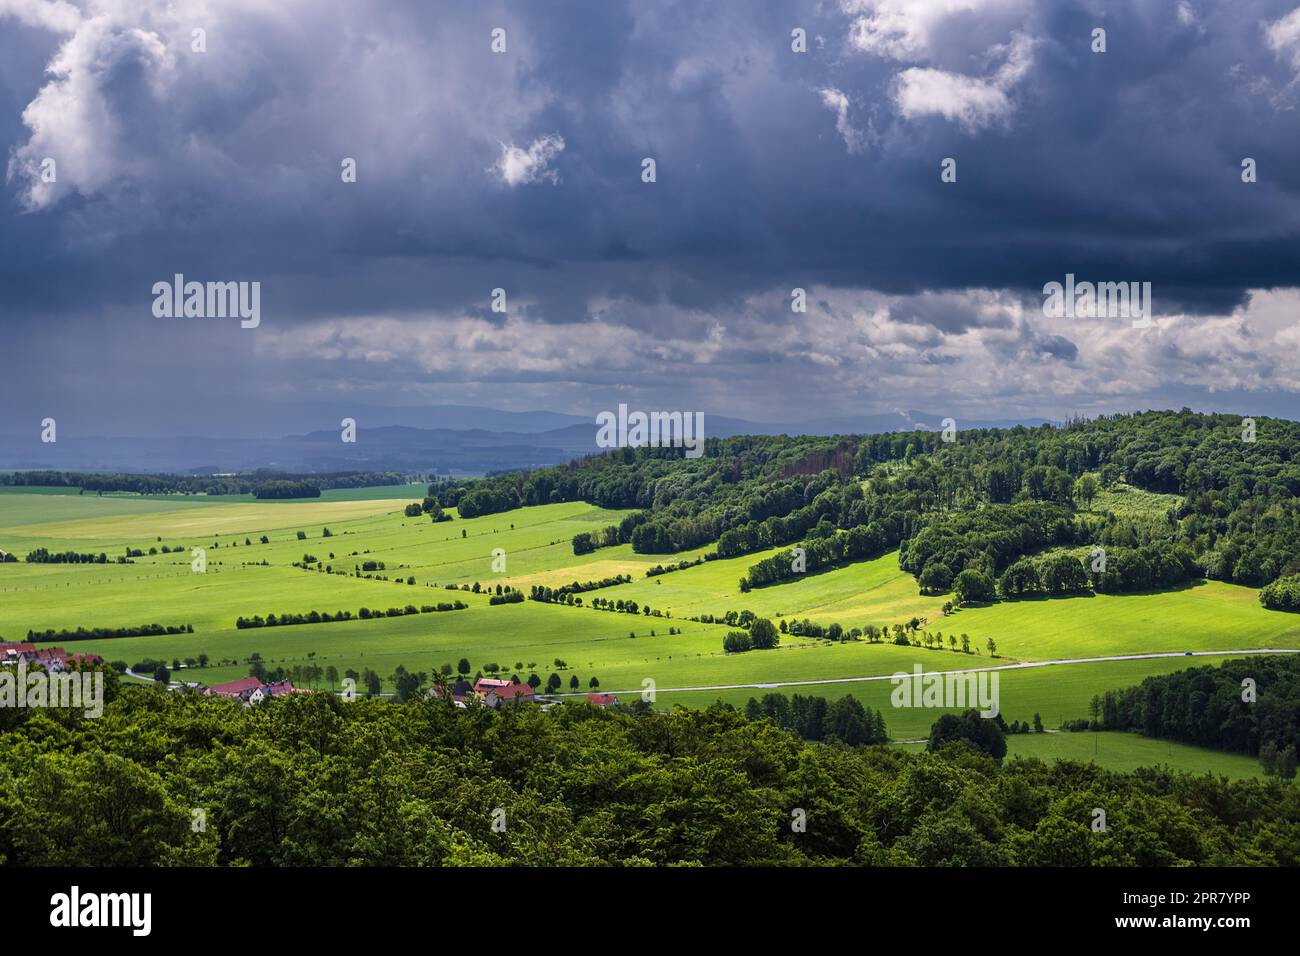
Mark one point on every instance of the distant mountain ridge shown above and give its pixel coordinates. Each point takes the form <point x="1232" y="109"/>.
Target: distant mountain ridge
<point x="453" y="439"/>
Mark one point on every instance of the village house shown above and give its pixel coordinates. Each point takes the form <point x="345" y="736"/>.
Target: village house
<point x="486" y="691"/>
<point x="53" y="659"/>
<point x="496" y="696"/>
<point x="250" y="690"/>
<point x="267" y="691"/>
<point x="602" y="700"/>
<point x="494" y="692"/>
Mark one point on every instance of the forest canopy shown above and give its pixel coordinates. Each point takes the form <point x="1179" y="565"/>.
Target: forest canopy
<point x="980" y="503"/>
<point x="312" y="780"/>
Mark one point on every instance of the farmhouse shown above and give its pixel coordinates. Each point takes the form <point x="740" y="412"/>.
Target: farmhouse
<point x="486" y="691"/>
<point x="602" y="700"/>
<point x="235" y="688"/>
<point x="53" y="659"/>
<point x="497" y="696"/>
<point x="250" y="690"/>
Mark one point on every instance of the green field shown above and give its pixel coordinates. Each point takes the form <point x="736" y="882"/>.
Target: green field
<point x="868" y="592"/>
<point x="1124" y="752"/>
<point x="245" y="577"/>
<point x="1056" y="692"/>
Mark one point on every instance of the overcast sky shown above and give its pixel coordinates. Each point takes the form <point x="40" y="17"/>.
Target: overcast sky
<point x="522" y="170"/>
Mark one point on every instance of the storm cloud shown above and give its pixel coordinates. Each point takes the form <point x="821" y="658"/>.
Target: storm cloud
<point x="211" y="139"/>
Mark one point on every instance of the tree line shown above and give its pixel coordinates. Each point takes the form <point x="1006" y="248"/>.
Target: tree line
<point x="1249" y="706"/>
<point x="45" y="556"/>
<point x="325" y="617"/>
<point x="816" y="718"/>
<point x="170" y="484"/>
<point x="97" y="633"/>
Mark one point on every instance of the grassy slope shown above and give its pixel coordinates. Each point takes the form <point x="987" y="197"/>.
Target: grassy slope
<point x="867" y="592"/>
<point x="1205" y="617"/>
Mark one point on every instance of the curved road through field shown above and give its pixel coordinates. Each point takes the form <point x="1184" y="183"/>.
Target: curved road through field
<point x="959" y="670"/>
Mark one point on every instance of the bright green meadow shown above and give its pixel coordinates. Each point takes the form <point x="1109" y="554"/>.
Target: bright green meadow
<point x="244" y="577"/>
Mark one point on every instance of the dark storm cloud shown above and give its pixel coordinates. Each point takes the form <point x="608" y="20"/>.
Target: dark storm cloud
<point x="775" y="170"/>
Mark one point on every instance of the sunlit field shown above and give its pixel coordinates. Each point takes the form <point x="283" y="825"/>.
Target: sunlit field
<point x="624" y="652"/>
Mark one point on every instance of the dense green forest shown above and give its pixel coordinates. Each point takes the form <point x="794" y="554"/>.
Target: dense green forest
<point x="980" y="503"/>
<point x="1249" y="706"/>
<point x="313" y="780"/>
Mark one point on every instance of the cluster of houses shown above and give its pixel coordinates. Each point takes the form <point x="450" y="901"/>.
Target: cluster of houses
<point x="484" y="692"/>
<point x="492" y="692"/>
<point x="52" y="659"/>
<point x="251" y="690"/>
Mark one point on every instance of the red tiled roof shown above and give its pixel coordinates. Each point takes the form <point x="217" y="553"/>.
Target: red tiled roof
<point x="485" y="684"/>
<point x="602" y="700"/>
<point x="511" y="691"/>
<point x="45" y="655"/>
<point x="235" y="687"/>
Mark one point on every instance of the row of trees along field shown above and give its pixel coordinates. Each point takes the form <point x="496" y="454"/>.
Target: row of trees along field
<point x="1249" y="706"/>
<point x="261" y="484"/>
<point x="980" y="503"/>
<point x="311" y="780"/>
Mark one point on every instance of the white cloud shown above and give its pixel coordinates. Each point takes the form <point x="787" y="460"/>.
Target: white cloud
<point x="905" y="29"/>
<point x="1283" y="37"/>
<point x="140" y="123"/>
<point x="72" y="119"/>
<point x="56" y="15"/>
<point x="977" y="348"/>
<point x="517" y="167"/>
<point x="974" y="102"/>
<point x="838" y="103"/>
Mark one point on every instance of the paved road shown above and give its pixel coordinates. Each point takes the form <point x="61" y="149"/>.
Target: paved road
<point x="958" y="670"/>
<point x="876" y="677"/>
